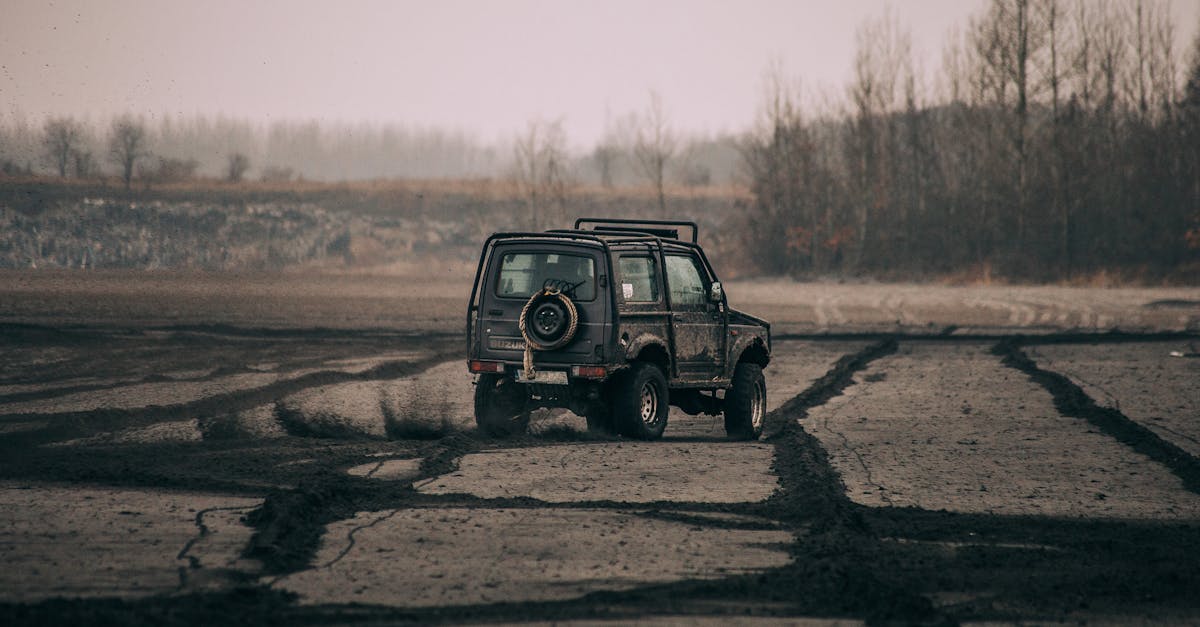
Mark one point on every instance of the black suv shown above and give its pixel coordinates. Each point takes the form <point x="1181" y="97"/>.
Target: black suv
<point x="615" y="322"/>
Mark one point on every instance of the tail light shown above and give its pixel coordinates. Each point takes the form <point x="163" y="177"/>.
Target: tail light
<point x="477" y="366"/>
<point x="589" y="372"/>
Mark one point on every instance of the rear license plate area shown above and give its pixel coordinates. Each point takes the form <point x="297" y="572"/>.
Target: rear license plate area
<point x="544" y="377"/>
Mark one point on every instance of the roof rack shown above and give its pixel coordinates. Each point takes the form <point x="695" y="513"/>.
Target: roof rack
<point x="648" y="227"/>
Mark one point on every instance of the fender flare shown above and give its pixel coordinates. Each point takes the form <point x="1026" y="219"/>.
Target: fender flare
<point x="644" y="341"/>
<point x="752" y="348"/>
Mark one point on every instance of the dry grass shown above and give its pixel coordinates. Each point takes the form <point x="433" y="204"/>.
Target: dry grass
<point x="480" y="187"/>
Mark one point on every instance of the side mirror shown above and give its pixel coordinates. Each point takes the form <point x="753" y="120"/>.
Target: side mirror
<point x="715" y="293"/>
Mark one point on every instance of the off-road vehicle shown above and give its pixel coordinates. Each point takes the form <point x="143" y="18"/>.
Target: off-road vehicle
<point x="616" y="322"/>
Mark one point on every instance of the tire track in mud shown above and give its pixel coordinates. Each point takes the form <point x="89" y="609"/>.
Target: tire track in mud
<point x="222" y="350"/>
<point x="845" y="560"/>
<point x="351" y="540"/>
<point x="1036" y="357"/>
<point x="1072" y="401"/>
<point x="61" y="426"/>
<point x="290" y="523"/>
<point x="203" y="532"/>
<point x="832" y="553"/>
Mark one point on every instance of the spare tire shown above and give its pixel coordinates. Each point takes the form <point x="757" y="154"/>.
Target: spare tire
<point x="549" y="320"/>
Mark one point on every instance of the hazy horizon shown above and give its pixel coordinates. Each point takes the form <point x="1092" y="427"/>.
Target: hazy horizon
<point x="483" y="69"/>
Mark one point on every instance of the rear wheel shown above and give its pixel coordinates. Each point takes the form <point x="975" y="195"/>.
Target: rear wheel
<point x="641" y="402"/>
<point x="746" y="402"/>
<point x="500" y="406"/>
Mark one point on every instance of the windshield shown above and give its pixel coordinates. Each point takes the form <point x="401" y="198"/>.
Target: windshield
<point x="522" y="274"/>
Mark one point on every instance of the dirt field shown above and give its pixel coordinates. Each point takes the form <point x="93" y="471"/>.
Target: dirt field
<point x="183" y="449"/>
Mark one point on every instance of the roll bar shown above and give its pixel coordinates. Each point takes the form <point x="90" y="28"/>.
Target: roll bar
<point x="624" y="225"/>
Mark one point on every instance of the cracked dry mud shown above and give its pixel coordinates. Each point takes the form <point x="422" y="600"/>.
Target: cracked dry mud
<point x="98" y="542"/>
<point x="177" y="474"/>
<point x="624" y="472"/>
<point x="457" y="556"/>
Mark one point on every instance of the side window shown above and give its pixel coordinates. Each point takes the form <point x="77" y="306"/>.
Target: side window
<point x="639" y="281"/>
<point x="684" y="279"/>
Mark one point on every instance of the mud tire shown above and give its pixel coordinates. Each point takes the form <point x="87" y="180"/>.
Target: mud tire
<point x="746" y="403"/>
<point x="500" y="406"/>
<point x="641" y="402"/>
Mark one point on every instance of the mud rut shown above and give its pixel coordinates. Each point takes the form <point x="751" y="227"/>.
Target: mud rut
<point x="847" y="560"/>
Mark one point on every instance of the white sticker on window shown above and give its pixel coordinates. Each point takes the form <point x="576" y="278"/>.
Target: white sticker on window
<point x="627" y="290"/>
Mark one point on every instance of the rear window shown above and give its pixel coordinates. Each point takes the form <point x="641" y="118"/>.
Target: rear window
<point x="522" y="274"/>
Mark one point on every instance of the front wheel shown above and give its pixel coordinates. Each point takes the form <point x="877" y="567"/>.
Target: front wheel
<point x="746" y="402"/>
<point x="641" y="402"/>
<point x="500" y="406"/>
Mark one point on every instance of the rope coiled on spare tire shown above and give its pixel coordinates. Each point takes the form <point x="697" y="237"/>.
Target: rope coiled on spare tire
<point x="531" y="343"/>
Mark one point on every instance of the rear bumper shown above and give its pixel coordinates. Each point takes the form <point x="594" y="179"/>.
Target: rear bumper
<point x="515" y="369"/>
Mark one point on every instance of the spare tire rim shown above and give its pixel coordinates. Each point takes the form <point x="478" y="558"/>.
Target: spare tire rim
<point x="649" y="403"/>
<point x="758" y="405"/>
<point x="549" y="320"/>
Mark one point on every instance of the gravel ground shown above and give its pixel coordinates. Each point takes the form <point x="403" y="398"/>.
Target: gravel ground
<point x="206" y="444"/>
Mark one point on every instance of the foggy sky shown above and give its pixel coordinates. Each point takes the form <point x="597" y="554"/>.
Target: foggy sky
<point x="478" y="66"/>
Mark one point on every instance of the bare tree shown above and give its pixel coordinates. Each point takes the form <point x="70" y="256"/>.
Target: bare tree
<point x="127" y="145"/>
<point x="605" y="156"/>
<point x="83" y="163"/>
<point x="1111" y="50"/>
<point x="655" y="144"/>
<point x="882" y="63"/>
<point x="1027" y="42"/>
<point x="1189" y="119"/>
<point x="172" y="170"/>
<point x="236" y="166"/>
<point x="608" y="151"/>
<point x="954" y="71"/>
<point x="542" y="177"/>
<point x="1153" y="84"/>
<point x="62" y="138"/>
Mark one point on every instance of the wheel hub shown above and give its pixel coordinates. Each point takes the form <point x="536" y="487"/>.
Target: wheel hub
<point x="549" y="321"/>
<point x="649" y="403"/>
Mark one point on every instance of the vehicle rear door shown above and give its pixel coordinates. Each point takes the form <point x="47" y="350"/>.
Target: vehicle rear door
<point x="519" y="270"/>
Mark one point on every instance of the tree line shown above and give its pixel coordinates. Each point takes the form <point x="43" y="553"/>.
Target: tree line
<point x="150" y="151"/>
<point x="172" y="149"/>
<point x="1058" y="140"/>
